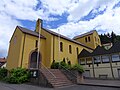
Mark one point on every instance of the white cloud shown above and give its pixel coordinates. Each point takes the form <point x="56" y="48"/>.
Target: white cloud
<point x="7" y="26"/>
<point x="108" y="22"/>
<point x="84" y="7"/>
<point x="57" y="7"/>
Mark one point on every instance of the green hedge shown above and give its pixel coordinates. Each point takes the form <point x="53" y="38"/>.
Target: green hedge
<point x="3" y="73"/>
<point x="78" y="67"/>
<point x="18" y="75"/>
<point x="64" y="65"/>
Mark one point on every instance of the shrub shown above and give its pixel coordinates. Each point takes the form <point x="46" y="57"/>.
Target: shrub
<point x="64" y="65"/>
<point x="55" y="65"/>
<point x="78" y="67"/>
<point x="3" y="73"/>
<point x="18" y="75"/>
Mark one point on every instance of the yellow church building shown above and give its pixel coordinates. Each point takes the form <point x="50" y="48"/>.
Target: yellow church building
<point x="32" y="49"/>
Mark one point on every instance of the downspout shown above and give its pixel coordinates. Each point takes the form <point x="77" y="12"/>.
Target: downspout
<point x="23" y="49"/>
<point x="53" y="47"/>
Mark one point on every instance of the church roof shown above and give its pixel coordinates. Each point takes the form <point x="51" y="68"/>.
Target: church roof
<point x="64" y="37"/>
<point x="27" y="31"/>
<point x="88" y="33"/>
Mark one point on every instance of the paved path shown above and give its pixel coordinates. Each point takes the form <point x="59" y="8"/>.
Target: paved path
<point x="97" y="82"/>
<point x="85" y="87"/>
<point x="4" y="86"/>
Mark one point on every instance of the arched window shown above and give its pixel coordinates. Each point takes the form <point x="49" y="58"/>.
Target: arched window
<point x="61" y="46"/>
<point x="36" y="43"/>
<point x="89" y="39"/>
<point x="85" y="39"/>
<point x="77" y="50"/>
<point x="70" y="49"/>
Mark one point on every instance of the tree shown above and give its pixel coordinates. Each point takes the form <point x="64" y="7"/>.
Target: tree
<point x="113" y="37"/>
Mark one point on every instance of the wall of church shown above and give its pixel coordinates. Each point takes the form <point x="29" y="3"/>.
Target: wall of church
<point x="30" y="47"/>
<point x="15" y="50"/>
<point x="48" y="48"/>
<point x="59" y="55"/>
<point x="91" y="40"/>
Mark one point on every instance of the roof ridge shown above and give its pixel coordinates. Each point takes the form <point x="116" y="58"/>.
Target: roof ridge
<point x="62" y="36"/>
<point x="29" y="31"/>
<point x="84" y="34"/>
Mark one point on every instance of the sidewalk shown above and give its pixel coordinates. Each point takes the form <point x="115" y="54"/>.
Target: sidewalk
<point x="97" y="82"/>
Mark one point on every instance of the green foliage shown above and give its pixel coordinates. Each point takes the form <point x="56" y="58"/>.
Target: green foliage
<point x="3" y="73"/>
<point x="109" y="38"/>
<point x="64" y="65"/>
<point x="78" y="67"/>
<point x="55" y="65"/>
<point x="18" y="75"/>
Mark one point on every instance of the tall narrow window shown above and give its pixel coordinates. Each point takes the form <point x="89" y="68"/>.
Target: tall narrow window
<point x="36" y="43"/>
<point x="61" y="46"/>
<point x="95" y="39"/>
<point x="89" y="39"/>
<point x="77" y="50"/>
<point x="70" y="49"/>
<point x="86" y="39"/>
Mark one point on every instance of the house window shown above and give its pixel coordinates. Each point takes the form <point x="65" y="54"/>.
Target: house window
<point x="89" y="39"/>
<point x="15" y="40"/>
<point x="115" y="58"/>
<point x="36" y="43"/>
<point x="89" y="60"/>
<point x="82" y="61"/>
<point x="61" y="46"/>
<point x="70" y="49"/>
<point x="105" y="58"/>
<point x="86" y="39"/>
<point x="97" y="59"/>
<point x="95" y="39"/>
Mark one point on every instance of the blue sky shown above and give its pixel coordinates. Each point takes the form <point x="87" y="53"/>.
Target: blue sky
<point x="71" y="17"/>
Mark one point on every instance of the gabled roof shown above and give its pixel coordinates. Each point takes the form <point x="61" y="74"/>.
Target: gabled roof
<point x="82" y="35"/>
<point x="84" y="53"/>
<point x="64" y="37"/>
<point x="115" y="48"/>
<point x="2" y="60"/>
<point x="30" y="32"/>
<point x="99" y="51"/>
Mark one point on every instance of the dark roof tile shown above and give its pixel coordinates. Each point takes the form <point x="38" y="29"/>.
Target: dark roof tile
<point x="115" y="48"/>
<point x="84" y="53"/>
<point x="61" y="36"/>
<point x="99" y="51"/>
<point x="27" y="31"/>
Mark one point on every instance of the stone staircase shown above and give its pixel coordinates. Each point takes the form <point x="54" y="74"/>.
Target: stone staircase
<point x="56" y="78"/>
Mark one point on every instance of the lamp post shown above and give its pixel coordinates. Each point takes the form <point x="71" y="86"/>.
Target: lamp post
<point x="38" y="55"/>
<point x="59" y="46"/>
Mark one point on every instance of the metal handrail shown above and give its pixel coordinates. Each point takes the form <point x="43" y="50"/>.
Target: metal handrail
<point x="68" y="71"/>
<point x="48" y="70"/>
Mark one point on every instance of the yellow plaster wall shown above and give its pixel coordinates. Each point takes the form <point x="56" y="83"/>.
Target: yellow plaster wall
<point x="58" y="55"/>
<point x="48" y="48"/>
<point x="15" y="50"/>
<point x="29" y="47"/>
<point x="93" y="43"/>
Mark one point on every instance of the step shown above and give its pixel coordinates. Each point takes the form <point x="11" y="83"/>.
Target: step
<point x="60" y="80"/>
